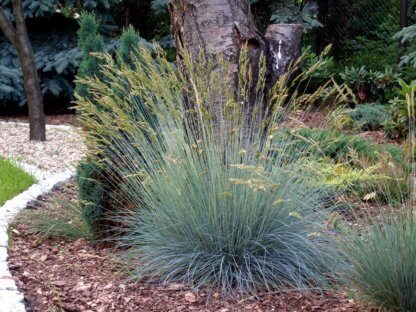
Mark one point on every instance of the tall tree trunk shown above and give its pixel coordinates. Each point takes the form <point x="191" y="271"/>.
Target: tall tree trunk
<point x="225" y="27"/>
<point x="404" y="7"/>
<point x="19" y="38"/>
<point x="323" y="16"/>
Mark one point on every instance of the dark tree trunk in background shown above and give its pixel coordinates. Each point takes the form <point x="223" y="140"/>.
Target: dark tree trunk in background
<point x="404" y="7"/>
<point x="323" y="16"/>
<point x="226" y="26"/>
<point x="18" y="36"/>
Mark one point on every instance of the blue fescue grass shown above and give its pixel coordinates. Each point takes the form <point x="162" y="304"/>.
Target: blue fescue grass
<point x="210" y="204"/>
<point x="383" y="262"/>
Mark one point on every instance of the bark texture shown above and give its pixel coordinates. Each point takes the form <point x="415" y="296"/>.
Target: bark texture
<point x="284" y="41"/>
<point x="225" y="27"/>
<point x="18" y="36"/>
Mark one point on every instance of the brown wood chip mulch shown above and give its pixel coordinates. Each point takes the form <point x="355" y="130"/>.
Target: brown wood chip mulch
<point x="65" y="275"/>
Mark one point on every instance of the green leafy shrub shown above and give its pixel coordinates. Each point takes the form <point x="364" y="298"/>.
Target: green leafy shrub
<point x="402" y="111"/>
<point x="383" y="260"/>
<point x="369" y="85"/>
<point x="211" y="207"/>
<point x="303" y="13"/>
<point x="407" y="37"/>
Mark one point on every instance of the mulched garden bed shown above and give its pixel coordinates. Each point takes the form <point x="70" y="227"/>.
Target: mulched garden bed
<point x="57" y="274"/>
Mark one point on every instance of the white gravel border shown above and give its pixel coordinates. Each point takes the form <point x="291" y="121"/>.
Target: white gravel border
<point x="62" y="150"/>
<point x="11" y="300"/>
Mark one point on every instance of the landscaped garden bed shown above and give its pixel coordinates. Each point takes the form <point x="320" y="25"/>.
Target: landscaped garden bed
<point x="244" y="163"/>
<point x="59" y="273"/>
<point x="182" y="226"/>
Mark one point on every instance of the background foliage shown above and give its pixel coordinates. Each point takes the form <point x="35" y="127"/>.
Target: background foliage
<point x="56" y="52"/>
<point x="361" y="32"/>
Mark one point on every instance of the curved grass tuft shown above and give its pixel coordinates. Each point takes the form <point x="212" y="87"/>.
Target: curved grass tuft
<point x="383" y="262"/>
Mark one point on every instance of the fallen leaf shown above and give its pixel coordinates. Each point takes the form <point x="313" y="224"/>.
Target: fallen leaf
<point x="190" y="297"/>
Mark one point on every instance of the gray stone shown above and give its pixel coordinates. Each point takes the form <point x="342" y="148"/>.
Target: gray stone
<point x="11" y="301"/>
<point x="4" y="269"/>
<point x="7" y="283"/>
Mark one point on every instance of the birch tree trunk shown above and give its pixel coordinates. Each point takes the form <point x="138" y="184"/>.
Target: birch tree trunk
<point x="225" y="27"/>
<point x="18" y="37"/>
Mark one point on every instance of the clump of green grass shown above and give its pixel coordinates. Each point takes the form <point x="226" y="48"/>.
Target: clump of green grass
<point x="65" y="222"/>
<point x="13" y="180"/>
<point x="58" y="216"/>
<point x="383" y="262"/>
<point x="212" y="208"/>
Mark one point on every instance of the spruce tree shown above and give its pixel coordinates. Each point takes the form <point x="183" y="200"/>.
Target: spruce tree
<point x="90" y="41"/>
<point x="129" y="42"/>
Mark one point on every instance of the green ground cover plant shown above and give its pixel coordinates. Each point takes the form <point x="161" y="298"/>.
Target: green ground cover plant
<point x="351" y="164"/>
<point x="13" y="180"/>
<point x="364" y="117"/>
<point x="368" y="117"/>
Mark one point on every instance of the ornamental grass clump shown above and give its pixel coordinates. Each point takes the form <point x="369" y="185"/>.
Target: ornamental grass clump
<point x="383" y="262"/>
<point x="207" y="201"/>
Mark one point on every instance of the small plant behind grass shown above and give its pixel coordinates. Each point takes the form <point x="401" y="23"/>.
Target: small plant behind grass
<point x="13" y="180"/>
<point x="212" y="208"/>
<point x="59" y="216"/>
<point x="350" y="163"/>
<point x="365" y="117"/>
